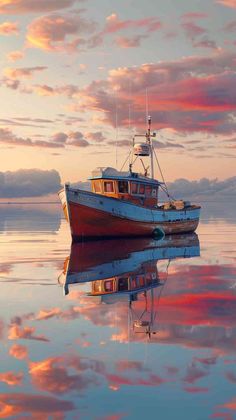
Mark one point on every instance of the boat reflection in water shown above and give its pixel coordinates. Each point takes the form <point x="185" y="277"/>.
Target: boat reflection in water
<point x="119" y="270"/>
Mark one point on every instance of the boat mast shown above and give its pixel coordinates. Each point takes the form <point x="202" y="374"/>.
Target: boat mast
<point x="149" y="141"/>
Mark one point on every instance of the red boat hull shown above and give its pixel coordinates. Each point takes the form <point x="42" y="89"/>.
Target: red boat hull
<point x="90" y="223"/>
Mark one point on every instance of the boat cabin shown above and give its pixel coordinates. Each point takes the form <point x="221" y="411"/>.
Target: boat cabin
<point x="129" y="186"/>
<point x="128" y="283"/>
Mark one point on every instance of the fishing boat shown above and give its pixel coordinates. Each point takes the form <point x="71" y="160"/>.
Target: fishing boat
<point x="125" y="203"/>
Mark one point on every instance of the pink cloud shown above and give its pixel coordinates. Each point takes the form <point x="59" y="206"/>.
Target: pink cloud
<point x="190" y="94"/>
<point x="114" y="24"/>
<point x="196" y="389"/>
<point x="206" y="43"/>
<point x="228" y="3"/>
<point x="151" y="380"/>
<point x="71" y="91"/>
<point x="9" y="28"/>
<point x="123" y="365"/>
<point x="58" y="140"/>
<point x="44" y="90"/>
<point x="23" y="72"/>
<point x="77" y="139"/>
<point x="192" y="30"/>
<point x="96" y="136"/>
<point x="132" y="42"/>
<point x="9" y="138"/>
<point x="194" y="374"/>
<point x="31" y="6"/>
<point x="208" y="361"/>
<point x="34" y="404"/>
<point x="51" y="32"/>
<point x="194" y="15"/>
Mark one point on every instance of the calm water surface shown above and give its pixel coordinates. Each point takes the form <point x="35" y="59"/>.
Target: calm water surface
<point x="126" y="329"/>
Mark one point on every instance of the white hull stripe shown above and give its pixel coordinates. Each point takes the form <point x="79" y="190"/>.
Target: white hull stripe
<point x="124" y="209"/>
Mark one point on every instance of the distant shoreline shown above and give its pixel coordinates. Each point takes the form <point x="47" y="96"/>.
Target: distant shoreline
<point x="217" y="200"/>
<point x="29" y="202"/>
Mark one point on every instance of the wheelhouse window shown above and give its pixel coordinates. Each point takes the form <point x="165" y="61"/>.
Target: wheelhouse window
<point x="134" y="188"/>
<point x="123" y="187"/>
<point x="134" y="283"/>
<point x="154" y="192"/>
<point x="108" y="187"/>
<point x="141" y="188"/>
<point x="148" y="190"/>
<point x="97" y="286"/>
<point x="108" y="286"/>
<point x="97" y="186"/>
<point x="123" y="283"/>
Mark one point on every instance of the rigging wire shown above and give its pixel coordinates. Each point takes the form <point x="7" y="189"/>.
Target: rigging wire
<point x="125" y="160"/>
<point x="116" y="131"/>
<point x="162" y="176"/>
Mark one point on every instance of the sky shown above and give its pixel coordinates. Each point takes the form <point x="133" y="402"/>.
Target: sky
<point x="79" y="77"/>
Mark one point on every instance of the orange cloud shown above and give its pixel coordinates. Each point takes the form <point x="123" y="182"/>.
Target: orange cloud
<point x="51" y="32"/>
<point x="52" y="374"/>
<point x="32" y="6"/>
<point x="9" y="28"/>
<point x="16" y="332"/>
<point x="231" y="405"/>
<point x="11" y="378"/>
<point x="228" y="3"/>
<point x="18" y="73"/>
<point x="18" y="351"/>
<point x="15" y="55"/>
<point x="44" y="314"/>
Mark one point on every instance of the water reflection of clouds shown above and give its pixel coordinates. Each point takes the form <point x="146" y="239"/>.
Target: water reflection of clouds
<point x="38" y="406"/>
<point x="60" y="353"/>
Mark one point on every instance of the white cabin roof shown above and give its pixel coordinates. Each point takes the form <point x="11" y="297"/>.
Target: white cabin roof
<point x="112" y="173"/>
<point x="103" y="172"/>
